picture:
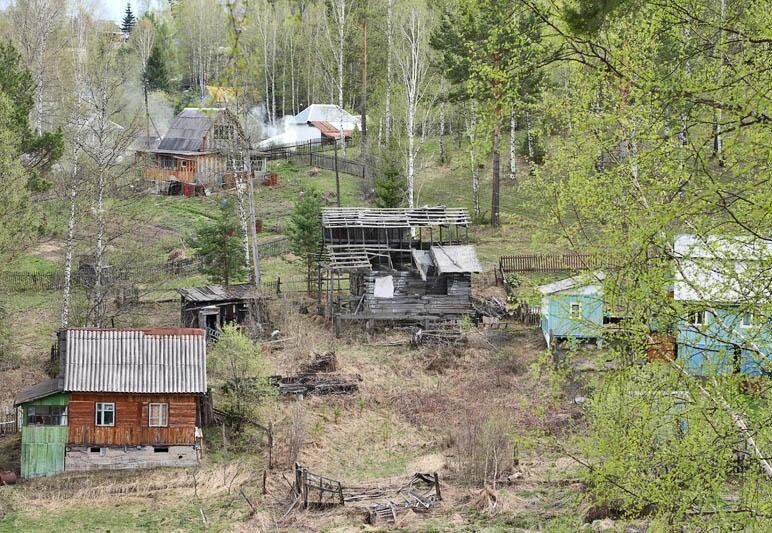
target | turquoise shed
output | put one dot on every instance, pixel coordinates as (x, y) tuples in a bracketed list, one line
[(722, 283), (572, 308)]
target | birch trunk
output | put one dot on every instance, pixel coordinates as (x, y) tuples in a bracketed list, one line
[(512, 148), (442, 133), (473, 161), (389, 52), (529, 136), (69, 245), (99, 252)]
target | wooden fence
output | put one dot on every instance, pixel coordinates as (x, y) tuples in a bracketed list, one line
[(326, 161), (8, 421), (546, 263)]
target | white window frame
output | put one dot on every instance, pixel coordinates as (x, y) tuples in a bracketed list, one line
[(163, 415), (575, 315), (100, 408), (749, 317), (698, 318)]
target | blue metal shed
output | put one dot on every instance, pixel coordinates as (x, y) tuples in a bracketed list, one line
[(572, 308)]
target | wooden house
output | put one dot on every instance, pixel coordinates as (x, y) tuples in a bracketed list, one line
[(722, 290), (124, 398), (573, 308), (402, 264), (203, 146), (213, 306)]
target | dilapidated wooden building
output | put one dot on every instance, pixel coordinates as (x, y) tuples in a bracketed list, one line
[(212, 306), (402, 265), (123, 398)]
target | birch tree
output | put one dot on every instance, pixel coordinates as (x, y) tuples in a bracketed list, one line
[(35, 23), (389, 56), (414, 65), (103, 142), (336, 38)]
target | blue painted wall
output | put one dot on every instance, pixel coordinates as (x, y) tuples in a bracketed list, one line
[(709, 348), (558, 318)]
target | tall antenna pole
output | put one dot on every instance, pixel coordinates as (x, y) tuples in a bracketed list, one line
[(253, 220)]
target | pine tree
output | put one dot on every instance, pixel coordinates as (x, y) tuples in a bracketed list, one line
[(129, 20), (305, 229), (219, 246)]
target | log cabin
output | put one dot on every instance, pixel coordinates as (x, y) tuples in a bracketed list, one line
[(403, 265), (123, 398), (203, 146)]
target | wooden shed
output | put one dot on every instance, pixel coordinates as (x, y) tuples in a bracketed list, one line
[(124, 398), (403, 264), (573, 308), (212, 306)]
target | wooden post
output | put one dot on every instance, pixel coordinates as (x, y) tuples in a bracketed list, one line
[(437, 486), (337, 176), (340, 493), (305, 489)]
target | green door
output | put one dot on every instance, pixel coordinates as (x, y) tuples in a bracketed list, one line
[(42, 451), (44, 436)]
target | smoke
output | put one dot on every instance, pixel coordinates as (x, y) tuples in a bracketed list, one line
[(283, 132)]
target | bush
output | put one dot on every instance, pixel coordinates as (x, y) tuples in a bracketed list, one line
[(485, 449)]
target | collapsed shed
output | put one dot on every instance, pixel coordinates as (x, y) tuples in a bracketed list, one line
[(402, 264)]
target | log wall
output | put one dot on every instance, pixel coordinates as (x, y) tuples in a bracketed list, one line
[(131, 420)]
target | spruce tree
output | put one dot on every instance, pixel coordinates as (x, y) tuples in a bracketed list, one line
[(128, 20), (390, 183), (156, 75), (305, 229), (219, 246)]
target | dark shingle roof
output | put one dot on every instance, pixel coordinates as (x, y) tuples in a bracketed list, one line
[(39, 390), (187, 132)]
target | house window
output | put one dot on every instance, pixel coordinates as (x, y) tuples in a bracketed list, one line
[(47, 415), (747, 320), (105, 414), (233, 164), (698, 318), (158, 415), (576, 310), (223, 132), (183, 164), (167, 162)]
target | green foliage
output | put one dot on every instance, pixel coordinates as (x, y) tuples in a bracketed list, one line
[(239, 365), (220, 246), (659, 442), (305, 228), (40, 149), (390, 183), (156, 75)]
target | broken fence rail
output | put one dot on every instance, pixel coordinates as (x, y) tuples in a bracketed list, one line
[(313, 491)]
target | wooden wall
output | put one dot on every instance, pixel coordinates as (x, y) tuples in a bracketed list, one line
[(131, 420)]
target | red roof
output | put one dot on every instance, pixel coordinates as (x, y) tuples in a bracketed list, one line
[(329, 130)]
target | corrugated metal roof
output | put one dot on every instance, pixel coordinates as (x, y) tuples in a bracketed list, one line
[(328, 129), (218, 293), (327, 113), (135, 360), (582, 280), (186, 133), (459, 259), (39, 390), (718, 268)]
